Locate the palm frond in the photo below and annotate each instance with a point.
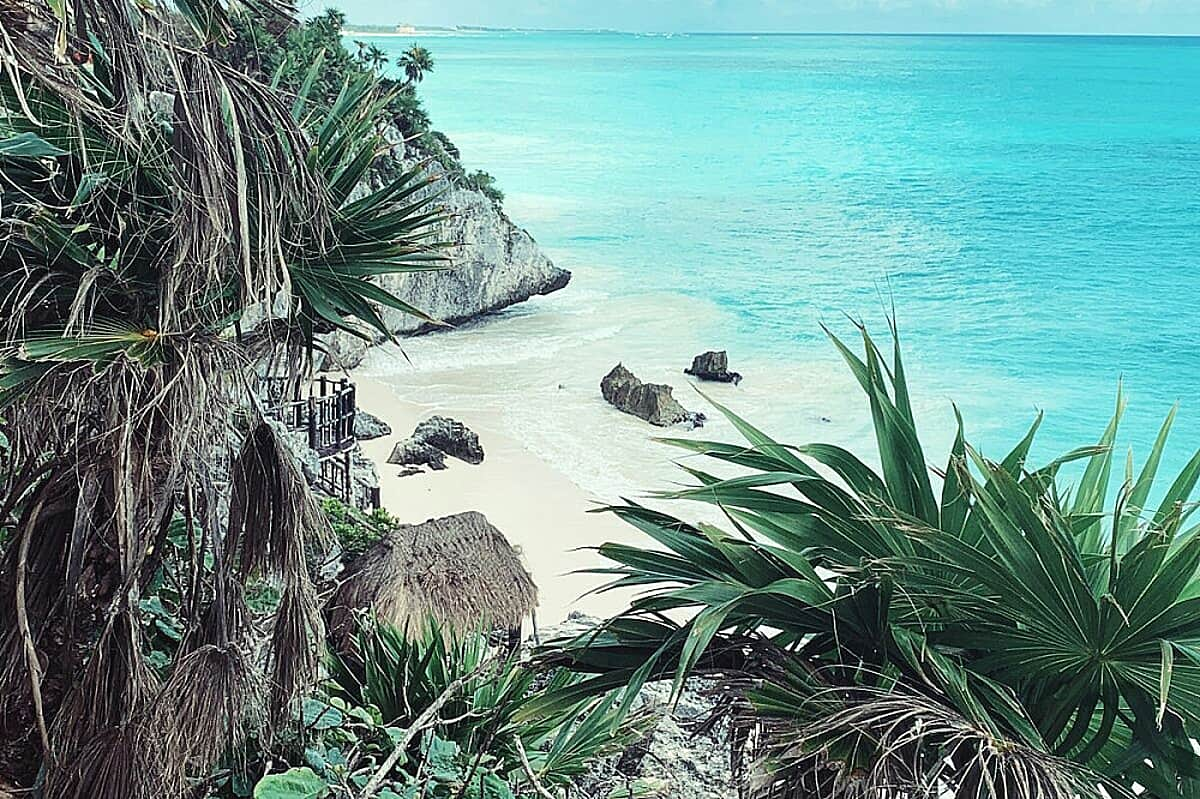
(998, 640)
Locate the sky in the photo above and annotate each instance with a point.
(894, 16)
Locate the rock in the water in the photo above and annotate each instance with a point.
(713, 365)
(434, 439)
(650, 401)
(411, 452)
(368, 426)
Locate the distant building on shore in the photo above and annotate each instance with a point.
(406, 29)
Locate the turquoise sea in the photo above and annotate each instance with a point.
(1029, 205)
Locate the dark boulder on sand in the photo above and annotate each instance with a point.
(650, 401)
(433, 439)
(452, 437)
(411, 452)
(368, 426)
(713, 365)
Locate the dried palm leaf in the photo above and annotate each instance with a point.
(880, 744)
(272, 513)
(207, 705)
(294, 652)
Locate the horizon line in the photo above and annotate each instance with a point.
(350, 28)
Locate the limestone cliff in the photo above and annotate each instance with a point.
(494, 264)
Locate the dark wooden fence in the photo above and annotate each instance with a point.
(326, 414)
(331, 416)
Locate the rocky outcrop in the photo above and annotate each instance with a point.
(433, 439)
(713, 366)
(650, 401)
(417, 453)
(680, 758)
(368, 426)
(495, 264)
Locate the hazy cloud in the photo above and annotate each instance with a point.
(1048, 16)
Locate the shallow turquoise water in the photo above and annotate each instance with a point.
(1031, 205)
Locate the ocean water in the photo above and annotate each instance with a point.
(1030, 206)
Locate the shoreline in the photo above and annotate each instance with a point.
(538, 508)
(419, 33)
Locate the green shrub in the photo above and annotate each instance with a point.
(354, 530)
(387, 681)
(1005, 636)
(483, 182)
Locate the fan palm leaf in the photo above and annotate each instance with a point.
(1004, 635)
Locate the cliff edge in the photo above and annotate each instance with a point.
(494, 264)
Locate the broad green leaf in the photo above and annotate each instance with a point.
(28, 145)
(295, 783)
(317, 715)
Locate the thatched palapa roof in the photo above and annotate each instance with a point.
(457, 570)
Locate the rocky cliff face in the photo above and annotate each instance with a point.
(495, 264)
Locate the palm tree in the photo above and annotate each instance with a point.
(415, 61)
(376, 58)
(153, 255)
(332, 20)
(1002, 637)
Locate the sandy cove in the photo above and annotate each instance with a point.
(539, 510)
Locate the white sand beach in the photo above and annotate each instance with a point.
(537, 508)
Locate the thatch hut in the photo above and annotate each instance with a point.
(458, 570)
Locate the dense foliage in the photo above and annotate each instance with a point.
(284, 57)
(169, 222)
(1005, 636)
(353, 529)
(379, 696)
(190, 197)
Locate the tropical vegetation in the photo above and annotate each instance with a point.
(170, 224)
(191, 198)
(1007, 634)
(355, 530)
(427, 715)
(284, 58)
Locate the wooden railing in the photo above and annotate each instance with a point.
(337, 480)
(331, 416)
(327, 416)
